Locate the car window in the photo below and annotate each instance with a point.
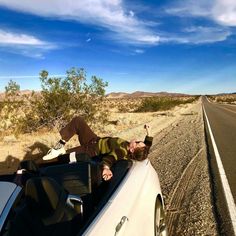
(18, 202)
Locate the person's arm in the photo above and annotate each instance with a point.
(148, 130)
(109, 159)
(107, 162)
(148, 139)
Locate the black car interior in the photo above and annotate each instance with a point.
(61, 199)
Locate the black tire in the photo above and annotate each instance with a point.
(159, 219)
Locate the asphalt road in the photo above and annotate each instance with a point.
(222, 120)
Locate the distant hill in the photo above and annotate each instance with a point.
(139, 94)
(22, 92)
(223, 94)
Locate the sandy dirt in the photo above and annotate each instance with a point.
(178, 154)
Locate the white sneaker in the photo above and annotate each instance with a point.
(53, 153)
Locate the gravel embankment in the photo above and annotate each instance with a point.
(179, 156)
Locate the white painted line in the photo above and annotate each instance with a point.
(228, 194)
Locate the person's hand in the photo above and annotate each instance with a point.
(148, 129)
(106, 173)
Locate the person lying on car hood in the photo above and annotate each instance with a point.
(111, 149)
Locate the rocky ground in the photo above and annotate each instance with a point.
(178, 154)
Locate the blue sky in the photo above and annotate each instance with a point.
(184, 46)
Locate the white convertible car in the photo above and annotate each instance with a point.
(72, 199)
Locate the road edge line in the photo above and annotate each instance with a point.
(224, 181)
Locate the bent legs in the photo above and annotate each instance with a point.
(87, 138)
(78, 126)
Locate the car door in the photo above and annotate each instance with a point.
(130, 210)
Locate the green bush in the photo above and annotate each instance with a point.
(11, 107)
(153, 104)
(60, 99)
(226, 100)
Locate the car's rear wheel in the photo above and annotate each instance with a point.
(160, 225)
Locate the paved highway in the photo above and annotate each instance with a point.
(222, 120)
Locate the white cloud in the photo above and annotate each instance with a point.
(221, 11)
(190, 8)
(202, 34)
(197, 35)
(139, 51)
(123, 24)
(24, 44)
(11, 38)
(131, 13)
(224, 12)
(88, 40)
(110, 14)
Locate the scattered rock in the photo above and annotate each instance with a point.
(179, 156)
(10, 139)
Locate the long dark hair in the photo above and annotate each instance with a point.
(139, 154)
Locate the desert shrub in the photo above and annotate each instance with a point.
(58, 101)
(62, 98)
(210, 97)
(1, 105)
(127, 104)
(230, 100)
(226, 99)
(153, 104)
(11, 107)
(123, 106)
